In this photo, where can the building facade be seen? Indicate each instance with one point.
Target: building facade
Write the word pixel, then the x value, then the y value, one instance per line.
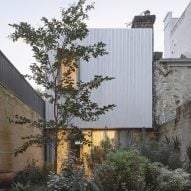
pixel 177 35
pixel 129 61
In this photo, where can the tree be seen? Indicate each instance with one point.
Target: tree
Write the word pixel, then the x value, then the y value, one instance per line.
pixel 70 100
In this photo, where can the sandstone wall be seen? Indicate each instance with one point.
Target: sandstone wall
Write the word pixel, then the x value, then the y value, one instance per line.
pixel 10 133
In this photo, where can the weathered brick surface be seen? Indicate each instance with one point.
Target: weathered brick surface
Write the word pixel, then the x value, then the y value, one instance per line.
pixel 10 133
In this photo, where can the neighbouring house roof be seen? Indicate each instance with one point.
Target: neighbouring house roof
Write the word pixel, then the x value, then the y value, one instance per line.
pixel 13 80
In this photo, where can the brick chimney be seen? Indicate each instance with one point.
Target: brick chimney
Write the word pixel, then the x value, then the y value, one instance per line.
pixel 144 21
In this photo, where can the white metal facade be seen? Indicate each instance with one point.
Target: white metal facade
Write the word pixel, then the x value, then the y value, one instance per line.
pixel 130 62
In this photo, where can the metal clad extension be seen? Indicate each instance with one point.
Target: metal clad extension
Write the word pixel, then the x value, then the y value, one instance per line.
pixel 14 81
pixel 130 62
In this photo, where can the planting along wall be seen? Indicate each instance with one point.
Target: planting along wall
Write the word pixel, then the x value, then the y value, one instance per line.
pixel 180 127
pixel 119 138
pixel 10 133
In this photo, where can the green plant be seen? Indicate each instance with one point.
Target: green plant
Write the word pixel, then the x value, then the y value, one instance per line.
pixel 31 175
pixel 151 177
pixel 128 170
pixel 20 187
pixel 176 143
pixel 32 178
pixel 99 153
pixel 161 178
pixel 167 153
pixel 47 168
pixel 188 152
pixel 123 170
pixel 173 180
pixel 72 178
pixel 39 188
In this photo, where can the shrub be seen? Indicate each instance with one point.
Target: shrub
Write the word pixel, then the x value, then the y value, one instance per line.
pixel 166 153
pixel 188 152
pixel 20 187
pixel 128 170
pixel 122 170
pixel 161 178
pixel 99 153
pixel 72 178
pixel 31 175
pixel 172 180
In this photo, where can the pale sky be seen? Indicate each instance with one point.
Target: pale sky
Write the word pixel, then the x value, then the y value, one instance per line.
pixel 107 14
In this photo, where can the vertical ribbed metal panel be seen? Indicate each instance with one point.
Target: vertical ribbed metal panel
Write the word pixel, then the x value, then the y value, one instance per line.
pixel 130 62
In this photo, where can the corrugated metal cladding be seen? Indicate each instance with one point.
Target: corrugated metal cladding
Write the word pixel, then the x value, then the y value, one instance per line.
pixel 130 62
pixel 14 81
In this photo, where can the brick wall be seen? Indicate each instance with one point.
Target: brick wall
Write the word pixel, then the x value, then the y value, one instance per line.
pixel 180 127
pixel 10 134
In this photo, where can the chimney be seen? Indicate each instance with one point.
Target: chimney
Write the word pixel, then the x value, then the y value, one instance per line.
pixel 144 21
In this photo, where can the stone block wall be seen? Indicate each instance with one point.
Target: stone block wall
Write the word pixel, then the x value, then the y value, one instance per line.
pixel 172 88
pixel 10 133
pixel 179 127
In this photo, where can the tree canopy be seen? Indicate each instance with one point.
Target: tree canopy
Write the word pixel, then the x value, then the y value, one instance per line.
pixel 54 45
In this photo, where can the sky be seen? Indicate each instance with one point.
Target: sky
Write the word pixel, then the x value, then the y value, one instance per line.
pixel 107 14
